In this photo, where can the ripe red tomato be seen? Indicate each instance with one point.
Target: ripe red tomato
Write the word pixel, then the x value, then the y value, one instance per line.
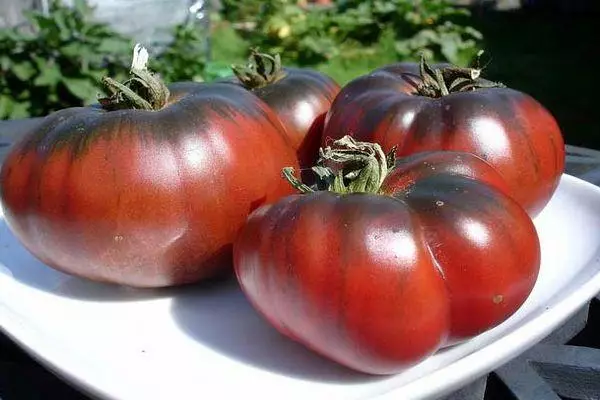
pixel 400 106
pixel 377 282
pixel 146 198
pixel 300 98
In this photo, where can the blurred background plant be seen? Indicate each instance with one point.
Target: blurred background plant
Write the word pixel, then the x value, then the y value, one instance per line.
pixel 310 34
pixel 183 59
pixel 58 58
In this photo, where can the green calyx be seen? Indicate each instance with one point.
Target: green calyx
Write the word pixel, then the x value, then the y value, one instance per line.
pixel 143 91
pixel 439 82
pixel 348 166
pixel 261 70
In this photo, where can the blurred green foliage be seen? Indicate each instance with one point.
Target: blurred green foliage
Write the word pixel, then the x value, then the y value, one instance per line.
pixel 310 35
pixel 183 59
pixel 59 59
pixel 58 62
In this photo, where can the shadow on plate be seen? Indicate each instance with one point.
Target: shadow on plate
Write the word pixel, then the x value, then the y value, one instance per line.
pixel 219 316
pixel 17 262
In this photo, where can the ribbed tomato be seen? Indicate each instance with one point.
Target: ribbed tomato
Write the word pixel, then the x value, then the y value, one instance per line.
pixel 145 197
pixel 300 97
pixel 377 282
pixel 448 108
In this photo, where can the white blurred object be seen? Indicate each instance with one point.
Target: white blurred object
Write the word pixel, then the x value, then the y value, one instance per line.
pixel 140 58
pixel 148 21
pixel 197 9
pixel 11 11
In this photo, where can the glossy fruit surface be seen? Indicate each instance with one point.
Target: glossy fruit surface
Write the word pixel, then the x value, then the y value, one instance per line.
pixel 145 198
pixel 300 97
pixel 399 105
pixel 377 282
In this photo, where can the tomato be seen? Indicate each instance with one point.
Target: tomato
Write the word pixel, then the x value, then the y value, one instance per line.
pixel 407 106
pixel 145 198
pixel 300 97
pixel 419 257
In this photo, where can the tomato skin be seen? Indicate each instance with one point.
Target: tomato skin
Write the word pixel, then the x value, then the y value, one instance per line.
pixel 379 282
pixel 311 259
pixel 415 167
pixel 301 99
pixel 145 198
pixel 507 128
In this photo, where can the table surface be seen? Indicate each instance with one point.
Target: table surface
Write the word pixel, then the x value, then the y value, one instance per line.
pixel 22 378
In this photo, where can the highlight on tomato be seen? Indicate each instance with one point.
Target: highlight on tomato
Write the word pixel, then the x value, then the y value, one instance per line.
pixel 422 107
pixel 300 97
pixel 148 188
pixel 385 261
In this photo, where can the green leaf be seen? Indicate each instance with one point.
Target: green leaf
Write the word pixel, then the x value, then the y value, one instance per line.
pixel 82 7
pixel 449 48
pixel 114 45
pixel 215 70
pixel 384 7
pixel 64 32
pixel 81 88
pixel 75 50
pixel 23 70
pixel 5 62
pixel 402 48
pixel 12 109
pixel 97 75
pixel 5 106
pixel 20 110
pixel 49 76
pixel 12 35
pixel 474 33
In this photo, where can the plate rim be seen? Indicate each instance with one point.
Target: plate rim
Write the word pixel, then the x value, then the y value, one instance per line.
pixel 455 375
pixel 499 349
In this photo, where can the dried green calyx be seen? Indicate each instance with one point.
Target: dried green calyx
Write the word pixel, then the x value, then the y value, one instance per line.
pixel 144 90
pixel 261 70
pixel 438 82
pixel 348 166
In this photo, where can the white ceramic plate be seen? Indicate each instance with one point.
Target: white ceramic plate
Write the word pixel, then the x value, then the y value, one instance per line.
pixel 206 342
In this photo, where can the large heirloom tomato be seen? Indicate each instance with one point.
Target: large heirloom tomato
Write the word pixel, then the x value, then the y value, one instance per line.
pixel 145 197
pixel 377 282
pixel 449 108
pixel 300 98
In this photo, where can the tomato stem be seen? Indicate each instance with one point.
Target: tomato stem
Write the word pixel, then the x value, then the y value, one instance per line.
pixel 261 70
pixel 348 166
pixel 288 174
pixel 439 82
pixel 144 90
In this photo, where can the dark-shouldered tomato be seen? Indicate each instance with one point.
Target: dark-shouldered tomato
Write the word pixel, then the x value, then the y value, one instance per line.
pixel 398 105
pixel 300 97
pixel 378 282
pixel 145 198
